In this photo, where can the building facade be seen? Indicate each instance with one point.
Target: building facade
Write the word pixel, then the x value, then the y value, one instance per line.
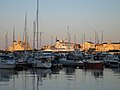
pixel 107 47
pixel 19 46
pixel 87 45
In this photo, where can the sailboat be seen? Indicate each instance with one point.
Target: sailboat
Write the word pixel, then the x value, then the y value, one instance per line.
pixel 6 61
pixel 37 60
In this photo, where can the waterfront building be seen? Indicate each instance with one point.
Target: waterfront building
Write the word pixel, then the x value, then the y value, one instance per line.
pixel 19 46
pixel 62 45
pixel 87 45
pixel 100 47
pixel 107 46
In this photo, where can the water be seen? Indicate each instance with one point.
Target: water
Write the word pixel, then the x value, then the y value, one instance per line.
pixel 60 79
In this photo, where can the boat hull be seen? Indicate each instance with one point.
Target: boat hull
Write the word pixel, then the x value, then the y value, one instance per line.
pixel 7 66
pixel 93 65
pixel 112 63
pixel 39 64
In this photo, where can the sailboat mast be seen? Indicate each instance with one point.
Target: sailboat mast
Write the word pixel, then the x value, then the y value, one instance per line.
pixel 84 40
pixel 34 30
pixel 25 32
pixel 13 38
pixel 6 37
pixel 102 37
pixel 75 38
pixel 68 37
pixel 51 40
pixel 37 21
pixel 95 37
pixel 41 39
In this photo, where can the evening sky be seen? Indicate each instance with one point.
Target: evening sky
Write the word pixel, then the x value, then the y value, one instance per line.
pixel 82 16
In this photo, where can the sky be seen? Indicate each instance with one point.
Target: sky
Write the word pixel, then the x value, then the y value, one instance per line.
pixel 82 17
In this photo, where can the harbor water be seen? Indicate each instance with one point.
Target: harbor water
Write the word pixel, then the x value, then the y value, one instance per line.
pixel 60 79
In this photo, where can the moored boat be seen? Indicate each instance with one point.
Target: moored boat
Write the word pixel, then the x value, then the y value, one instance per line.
pixel 41 63
pixel 93 64
pixel 7 62
pixel 111 61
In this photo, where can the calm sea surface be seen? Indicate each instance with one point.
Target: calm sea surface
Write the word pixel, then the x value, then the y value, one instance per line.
pixel 60 79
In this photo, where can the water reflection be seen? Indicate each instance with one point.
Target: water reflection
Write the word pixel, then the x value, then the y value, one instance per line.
pixel 6 74
pixel 69 71
pixel 116 70
pixel 68 78
pixel 56 70
pixel 38 76
pixel 98 73
pixel 95 72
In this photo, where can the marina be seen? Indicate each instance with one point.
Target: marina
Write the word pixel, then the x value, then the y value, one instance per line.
pixel 59 45
pixel 67 71
pixel 42 59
